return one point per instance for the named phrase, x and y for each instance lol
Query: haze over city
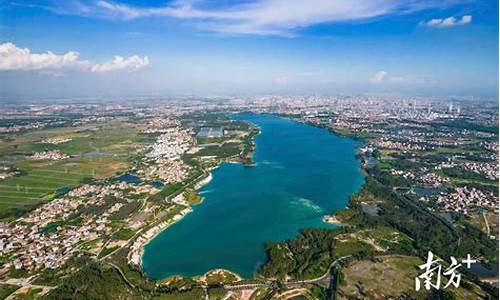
(189, 47)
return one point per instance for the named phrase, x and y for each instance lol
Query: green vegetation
(39, 180)
(216, 293)
(428, 231)
(262, 294)
(361, 279)
(23, 193)
(389, 241)
(298, 258)
(316, 292)
(52, 277)
(192, 197)
(126, 210)
(177, 287)
(17, 273)
(221, 151)
(309, 255)
(107, 251)
(7, 289)
(94, 281)
(220, 277)
(194, 294)
(31, 294)
(132, 273)
(124, 234)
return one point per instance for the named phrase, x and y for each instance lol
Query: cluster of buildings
(7, 172)
(171, 144)
(397, 145)
(57, 141)
(19, 128)
(84, 190)
(463, 199)
(167, 170)
(42, 239)
(433, 179)
(48, 155)
(427, 178)
(491, 145)
(404, 174)
(445, 165)
(426, 134)
(161, 125)
(489, 170)
(56, 209)
(47, 238)
(32, 249)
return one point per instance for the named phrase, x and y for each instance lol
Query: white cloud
(119, 63)
(383, 77)
(266, 17)
(448, 22)
(378, 77)
(15, 58)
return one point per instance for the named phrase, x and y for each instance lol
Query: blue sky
(202, 47)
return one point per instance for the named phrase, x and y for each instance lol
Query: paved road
(290, 284)
(121, 274)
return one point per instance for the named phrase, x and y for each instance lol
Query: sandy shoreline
(331, 219)
(137, 249)
(151, 233)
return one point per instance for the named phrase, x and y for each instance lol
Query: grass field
(110, 137)
(390, 276)
(42, 180)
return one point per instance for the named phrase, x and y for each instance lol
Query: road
(290, 284)
(24, 284)
(488, 232)
(317, 279)
(121, 274)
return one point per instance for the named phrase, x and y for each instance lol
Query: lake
(302, 173)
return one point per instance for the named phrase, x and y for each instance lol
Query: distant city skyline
(251, 47)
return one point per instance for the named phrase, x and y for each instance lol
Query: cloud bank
(15, 58)
(448, 22)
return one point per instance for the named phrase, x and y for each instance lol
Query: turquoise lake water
(302, 173)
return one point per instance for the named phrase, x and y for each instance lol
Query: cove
(302, 173)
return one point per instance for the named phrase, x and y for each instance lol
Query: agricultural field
(97, 151)
(110, 137)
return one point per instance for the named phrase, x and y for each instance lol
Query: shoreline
(159, 228)
(327, 219)
(132, 258)
(145, 238)
(331, 219)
